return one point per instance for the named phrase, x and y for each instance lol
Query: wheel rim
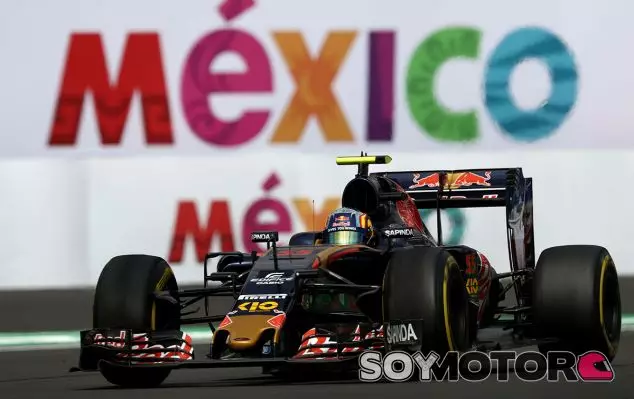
(165, 315)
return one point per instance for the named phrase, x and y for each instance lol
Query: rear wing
(467, 188)
(473, 188)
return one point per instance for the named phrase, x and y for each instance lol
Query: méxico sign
(349, 107)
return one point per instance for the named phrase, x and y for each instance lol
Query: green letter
(431, 54)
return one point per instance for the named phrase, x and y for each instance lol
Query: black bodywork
(357, 272)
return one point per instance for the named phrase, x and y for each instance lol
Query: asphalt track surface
(44, 374)
(51, 310)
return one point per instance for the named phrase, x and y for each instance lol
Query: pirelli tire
(426, 283)
(124, 300)
(576, 300)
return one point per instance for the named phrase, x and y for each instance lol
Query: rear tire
(576, 299)
(124, 300)
(426, 283)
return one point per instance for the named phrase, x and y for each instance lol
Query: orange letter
(305, 209)
(314, 92)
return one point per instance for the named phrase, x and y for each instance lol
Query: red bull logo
(341, 221)
(454, 180)
(432, 180)
(469, 178)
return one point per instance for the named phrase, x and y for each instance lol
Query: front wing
(173, 349)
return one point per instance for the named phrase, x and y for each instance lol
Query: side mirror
(270, 238)
(265, 236)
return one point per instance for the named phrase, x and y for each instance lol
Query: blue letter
(518, 46)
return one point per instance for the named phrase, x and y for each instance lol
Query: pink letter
(198, 82)
(251, 222)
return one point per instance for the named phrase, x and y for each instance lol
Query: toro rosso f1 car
(408, 291)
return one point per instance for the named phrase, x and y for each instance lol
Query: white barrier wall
(43, 218)
(62, 233)
(119, 116)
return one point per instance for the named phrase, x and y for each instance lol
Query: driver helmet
(346, 226)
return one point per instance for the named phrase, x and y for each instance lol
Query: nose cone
(245, 330)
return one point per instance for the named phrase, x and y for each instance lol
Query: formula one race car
(406, 291)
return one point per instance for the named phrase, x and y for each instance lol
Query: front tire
(124, 300)
(426, 283)
(576, 300)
